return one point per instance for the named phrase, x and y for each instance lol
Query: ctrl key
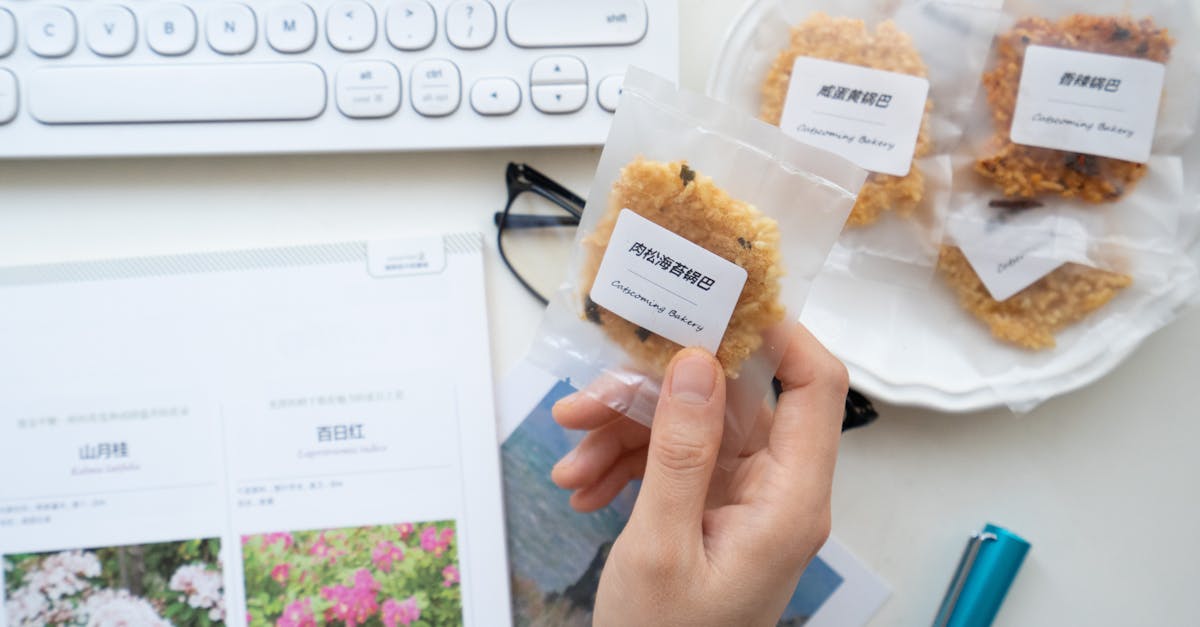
(8, 96)
(436, 87)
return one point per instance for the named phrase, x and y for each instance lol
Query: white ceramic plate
(920, 348)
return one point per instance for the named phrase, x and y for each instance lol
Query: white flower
(26, 606)
(62, 574)
(118, 608)
(202, 586)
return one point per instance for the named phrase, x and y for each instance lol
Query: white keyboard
(155, 77)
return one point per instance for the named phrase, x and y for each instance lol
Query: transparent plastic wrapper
(1075, 189)
(704, 227)
(887, 84)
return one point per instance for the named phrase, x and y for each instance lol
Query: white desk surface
(1104, 482)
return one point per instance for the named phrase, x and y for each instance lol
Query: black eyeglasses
(520, 178)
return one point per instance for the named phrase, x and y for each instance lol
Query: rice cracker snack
(689, 204)
(1032, 317)
(1029, 171)
(849, 40)
(1089, 114)
(705, 227)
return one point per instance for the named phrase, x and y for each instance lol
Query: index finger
(594, 406)
(808, 418)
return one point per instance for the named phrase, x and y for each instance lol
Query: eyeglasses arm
(524, 221)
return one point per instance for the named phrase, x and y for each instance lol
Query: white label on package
(666, 284)
(870, 117)
(1012, 250)
(1092, 104)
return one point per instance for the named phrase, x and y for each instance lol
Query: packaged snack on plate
(873, 81)
(704, 227)
(1072, 186)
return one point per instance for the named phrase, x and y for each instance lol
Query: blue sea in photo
(556, 553)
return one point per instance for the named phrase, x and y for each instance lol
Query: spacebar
(177, 93)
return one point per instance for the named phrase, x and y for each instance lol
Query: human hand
(708, 546)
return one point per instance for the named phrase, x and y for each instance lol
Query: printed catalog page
(278, 437)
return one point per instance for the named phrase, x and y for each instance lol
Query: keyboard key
(112, 31)
(231, 28)
(566, 23)
(171, 29)
(368, 89)
(8, 97)
(471, 24)
(351, 26)
(608, 93)
(51, 31)
(436, 88)
(559, 98)
(411, 25)
(291, 27)
(496, 96)
(177, 93)
(8, 33)
(552, 70)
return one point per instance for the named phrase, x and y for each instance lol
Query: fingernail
(568, 459)
(693, 380)
(565, 401)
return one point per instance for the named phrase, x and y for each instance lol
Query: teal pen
(985, 572)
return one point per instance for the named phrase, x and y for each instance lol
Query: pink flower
(363, 580)
(298, 614)
(321, 548)
(403, 612)
(405, 530)
(429, 539)
(444, 541)
(324, 550)
(384, 554)
(281, 572)
(450, 576)
(283, 536)
(353, 605)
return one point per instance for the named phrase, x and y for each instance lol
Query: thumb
(684, 440)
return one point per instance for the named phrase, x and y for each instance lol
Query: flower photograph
(149, 585)
(402, 575)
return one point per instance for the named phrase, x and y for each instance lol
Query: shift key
(567, 23)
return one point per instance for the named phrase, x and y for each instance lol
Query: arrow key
(558, 69)
(496, 96)
(559, 98)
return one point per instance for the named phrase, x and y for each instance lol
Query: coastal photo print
(556, 554)
(399, 575)
(149, 585)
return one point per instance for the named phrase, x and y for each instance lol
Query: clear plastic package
(704, 227)
(873, 81)
(1071, 187)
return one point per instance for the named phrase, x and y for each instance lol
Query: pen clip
(960, 576)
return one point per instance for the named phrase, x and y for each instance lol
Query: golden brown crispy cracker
(1032, 317)
(1028, 171)
(690, 205)
(847, 40)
